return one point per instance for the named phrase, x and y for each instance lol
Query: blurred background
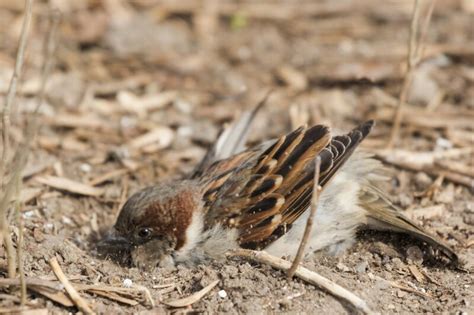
(139, 89)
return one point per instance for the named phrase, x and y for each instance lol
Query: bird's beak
(114, 241)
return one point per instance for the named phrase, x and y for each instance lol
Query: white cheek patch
(193, 236)
(201, 245)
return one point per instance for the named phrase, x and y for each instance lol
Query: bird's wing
(262, 191)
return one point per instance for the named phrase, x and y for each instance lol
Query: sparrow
(259, 198)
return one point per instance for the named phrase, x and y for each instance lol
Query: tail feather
(383, 215)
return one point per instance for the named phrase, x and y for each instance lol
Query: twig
(19, 161)
(309, 223)
(424, 30)
(415, 50)
(450, 176)
(456, 167)
(21, 269)
(408, 289)
(10, 98)
(20, 242)
(306, 275)
(73, 294)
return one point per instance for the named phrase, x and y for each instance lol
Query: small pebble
(128, 122)
(38, 235)
(185, 131)
(422, 180)
(362, 267)
(401, 293)
(443, 143)
(446, 195)
(222, 294)
(397, 263)
(28, 214)
(127, 283)
(383, 249)
(67, 220)
(341, 267)
(415, 254)
(183, 106)
(86, 168)
(405, 200)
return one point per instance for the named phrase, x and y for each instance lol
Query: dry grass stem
(20, 257)
(193, 298)
(73, 294)
(54, 291)
(306, 275)
(309, 223)
(69, 185)
(415, 51)
(49, 49)
(8, 187)
(13, 186)
(12, 89)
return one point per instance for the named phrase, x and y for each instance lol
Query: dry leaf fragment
(293, 77)
(29, 193)
(115, 297)
(69, 185)
(426, 213)
(141, 105)
(421, 159)
(58, 296)
(77, 121)
(193, 298)
(416, 273)
(107, 176)
(38, 311)
(161, 137)
(457, 167)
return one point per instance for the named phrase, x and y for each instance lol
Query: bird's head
(152, 225)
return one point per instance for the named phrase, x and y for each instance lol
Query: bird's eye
(144, 233)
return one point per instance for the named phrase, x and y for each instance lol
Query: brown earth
(183, 69)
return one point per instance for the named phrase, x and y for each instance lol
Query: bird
(259, 198)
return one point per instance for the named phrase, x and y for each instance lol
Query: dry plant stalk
(415, 54)
(7, 188)
(193, 298)
(13, 185)
(11, 94)
(20, 259)
(71, 291)
(306, 275)
(309, 223)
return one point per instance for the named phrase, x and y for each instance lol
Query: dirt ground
(139, 90)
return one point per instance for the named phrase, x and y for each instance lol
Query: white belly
(336, 220)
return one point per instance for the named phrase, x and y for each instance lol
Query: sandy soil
(122, 71)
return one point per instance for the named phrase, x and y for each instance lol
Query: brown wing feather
(271, 186)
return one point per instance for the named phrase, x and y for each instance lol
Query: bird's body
(259, 198)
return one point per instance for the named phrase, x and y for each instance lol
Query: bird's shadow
(400, 242)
